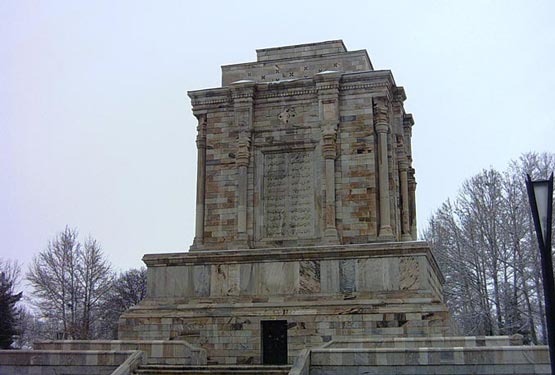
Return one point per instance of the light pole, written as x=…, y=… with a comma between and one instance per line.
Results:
x=540, y=194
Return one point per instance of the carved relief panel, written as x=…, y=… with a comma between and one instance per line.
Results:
x=287, y=204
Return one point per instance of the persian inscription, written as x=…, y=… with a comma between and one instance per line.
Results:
x=288, y=195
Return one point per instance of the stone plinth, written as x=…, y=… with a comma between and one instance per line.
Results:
x=218, y=299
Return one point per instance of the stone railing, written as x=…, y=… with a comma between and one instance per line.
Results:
x=167, y=352
x=302, y=363
x=46, y=362
x=130, y=365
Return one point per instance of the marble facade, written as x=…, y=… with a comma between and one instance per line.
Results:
x=305, y=213
x=306, y=146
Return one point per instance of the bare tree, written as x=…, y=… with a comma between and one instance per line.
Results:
x=70, y=282
x=484, y=242
x=96, y=280
x=128, y=289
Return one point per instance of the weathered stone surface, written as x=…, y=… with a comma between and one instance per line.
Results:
x=75, y=362
x=325, y=293
x=306, y=146
x=301, y=156
x=305, y=216
x=309, y=277
x=446, y=359
x=347, y=275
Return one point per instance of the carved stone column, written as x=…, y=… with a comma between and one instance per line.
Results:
x=201, y=180
x=381, y=121
x=243, y=100
x=412, y=204
x=329, y=152
x=328, y=100
x=405, y=215
x=242, y=162
x=408, y=122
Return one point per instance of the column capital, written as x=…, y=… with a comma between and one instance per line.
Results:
x=402, y=156
x=329, y=134
x=242, y=89
x=242, y=156
x=381, y=113
x=399, y=94
x=382, y=128
x=408, y=121
x=201, y=130
x=412, y=179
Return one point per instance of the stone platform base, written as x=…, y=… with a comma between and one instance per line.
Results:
x=69, y=362
x=213, y=370
x=219, y=300
x=444, y=356
x=154, y=351
x=231, y=334
x=413, y=355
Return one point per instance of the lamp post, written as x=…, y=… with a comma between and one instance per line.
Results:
x=540, y=194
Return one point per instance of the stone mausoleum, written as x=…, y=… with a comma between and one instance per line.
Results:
x=305, y=259
x=305, y=215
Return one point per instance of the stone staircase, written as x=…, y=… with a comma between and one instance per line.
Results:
x=212, y=369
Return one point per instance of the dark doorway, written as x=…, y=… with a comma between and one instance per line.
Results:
x=274, y=342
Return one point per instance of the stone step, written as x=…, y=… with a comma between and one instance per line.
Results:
x=212, y=369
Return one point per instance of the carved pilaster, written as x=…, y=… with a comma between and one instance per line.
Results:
x=201, y=174
x=408, y=122
x=381, y=123
x=243, y=100
x=403, y=177
x=243, y=150
x=328, y=100
x=412, y=203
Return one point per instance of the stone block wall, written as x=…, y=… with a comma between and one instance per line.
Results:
x=362, y=271
x=217, y=300
x=53, y=362
x=306, y=146
x=441, y=361
x=231, y=333
x=220, y=197
x=297, y=62
x=155, y=351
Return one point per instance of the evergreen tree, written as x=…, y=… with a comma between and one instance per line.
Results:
x=8, y=311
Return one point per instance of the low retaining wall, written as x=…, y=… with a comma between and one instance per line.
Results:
x=427, y=342
x=440, y=361
x=53, y=362
x=156, y=351
x=454, y=355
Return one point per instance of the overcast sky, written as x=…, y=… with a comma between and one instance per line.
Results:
x=96, y=130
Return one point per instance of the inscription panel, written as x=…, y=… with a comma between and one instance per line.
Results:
x=288, y=190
